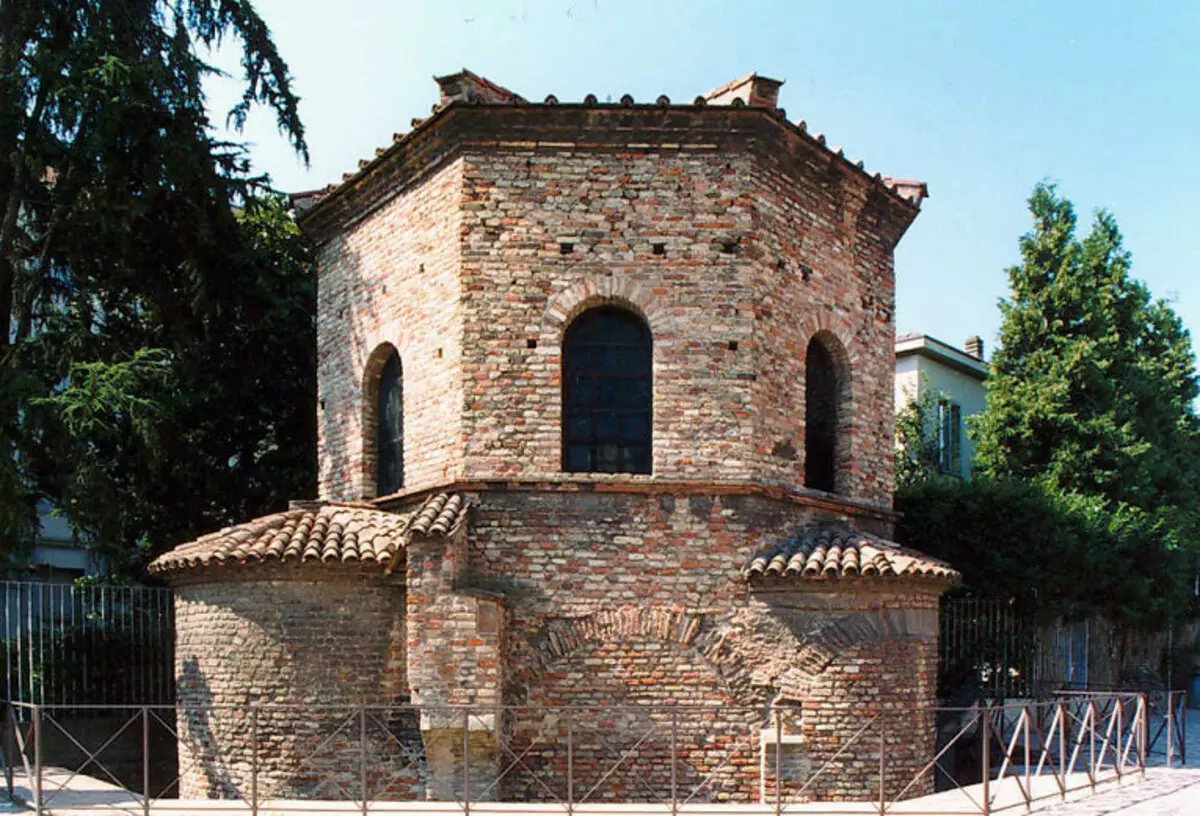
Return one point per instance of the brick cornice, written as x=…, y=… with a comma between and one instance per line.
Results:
x=636, y=128
x=650, y=486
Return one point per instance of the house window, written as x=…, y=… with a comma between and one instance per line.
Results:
x=821, y=395
x=389, y=430
x=949, y=437
x=607, y=393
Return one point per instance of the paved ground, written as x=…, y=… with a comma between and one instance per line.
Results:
x=1165, y=791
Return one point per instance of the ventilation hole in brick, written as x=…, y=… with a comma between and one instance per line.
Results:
x=659, y=249
x=439, y=354
x=566, y=249
x=531, y=343
x=420, y=269
x=729, y=247
x=733, y=345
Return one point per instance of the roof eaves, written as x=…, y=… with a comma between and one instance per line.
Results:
x=778, y=115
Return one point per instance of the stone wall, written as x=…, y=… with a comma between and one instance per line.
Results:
x=309, y=643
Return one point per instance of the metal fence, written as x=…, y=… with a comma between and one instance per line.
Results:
x=395, y=759
x=987, y=646
x=66, y=644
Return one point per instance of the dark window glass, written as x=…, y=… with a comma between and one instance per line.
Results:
x=607, y=393
x=389, y=433
x=820, y=418
x=949, y=438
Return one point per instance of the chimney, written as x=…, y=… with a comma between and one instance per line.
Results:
x=752, y=89
x=974, y=346
x=466, y=86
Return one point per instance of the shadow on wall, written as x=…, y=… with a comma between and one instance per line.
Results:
x=198, y=742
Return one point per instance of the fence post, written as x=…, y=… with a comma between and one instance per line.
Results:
x=674, y=763
x=778, y=762
x=1028, y=792
x=362, y=754
x=146, y=760
x=1183, y=732
x=882, y=786
x=466, y=723
x=986, y=759
x=37, y=759
x=1119, y=714
x=1062, y=748
x=1092, y=744
x=254, y=758
x=570, y=764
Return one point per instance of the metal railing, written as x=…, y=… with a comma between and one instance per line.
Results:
x=68, y=644
x=986, y=642
x=666, y=759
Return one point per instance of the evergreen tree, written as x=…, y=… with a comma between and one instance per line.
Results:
x=1092, y=394
x=1094, y=382
x=156, y=305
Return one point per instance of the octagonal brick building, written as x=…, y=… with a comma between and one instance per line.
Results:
x=605, y=416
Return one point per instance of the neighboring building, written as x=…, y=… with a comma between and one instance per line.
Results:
x=55, y=556
x=605, y=417
x=957, y=376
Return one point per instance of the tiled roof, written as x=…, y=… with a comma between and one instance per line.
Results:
x=910, y=190
x=320, y=533
x=840, y=552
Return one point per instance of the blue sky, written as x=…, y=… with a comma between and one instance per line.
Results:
x=979, y=99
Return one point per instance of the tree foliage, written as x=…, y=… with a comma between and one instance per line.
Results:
x=1086, y=457
x=1056, y=552
x=1094, y=382
x=917, y=454
x=156, y=304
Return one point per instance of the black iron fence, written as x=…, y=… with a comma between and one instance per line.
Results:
x=989, y=650
x=67, y=644
x=369, y=758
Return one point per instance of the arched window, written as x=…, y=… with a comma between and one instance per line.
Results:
x=389, y=428
x=607, y=393
x=821, y=397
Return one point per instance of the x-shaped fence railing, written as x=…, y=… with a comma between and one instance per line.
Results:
x=998, y=757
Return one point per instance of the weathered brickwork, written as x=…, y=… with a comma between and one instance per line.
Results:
x=737, y=246
x=605, y=617
x=637, y=599
x=304, y=636
x=392, y=280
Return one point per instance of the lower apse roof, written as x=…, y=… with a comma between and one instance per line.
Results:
x=841, y=553
x=320, y=533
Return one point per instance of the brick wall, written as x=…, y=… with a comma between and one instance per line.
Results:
x=392, y=279
x=635, y=599
x=309, y=637
x=738, y=245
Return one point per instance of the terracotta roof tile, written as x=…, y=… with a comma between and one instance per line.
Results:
x=322, y=533
x=912, y=191
x=839, y=552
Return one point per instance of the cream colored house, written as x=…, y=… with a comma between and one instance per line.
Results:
x=957, y=376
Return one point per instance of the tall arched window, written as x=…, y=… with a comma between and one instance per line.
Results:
x=389, y=428
x=821, y=397
x=607, y=393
